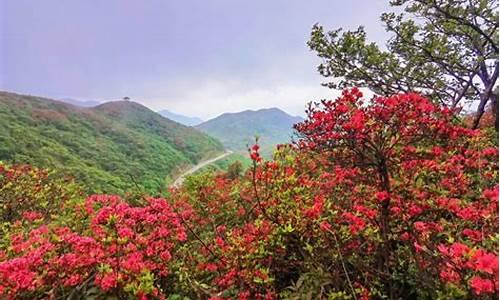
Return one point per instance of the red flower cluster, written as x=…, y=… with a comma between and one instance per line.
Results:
x=254, y=153
x=388, y=198
x=124, y=246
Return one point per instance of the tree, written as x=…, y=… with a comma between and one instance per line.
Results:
x=444, y=49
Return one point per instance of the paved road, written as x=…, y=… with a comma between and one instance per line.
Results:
x=200, y=165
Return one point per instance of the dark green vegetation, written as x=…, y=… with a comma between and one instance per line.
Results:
x=238, y=130
x=109, y=148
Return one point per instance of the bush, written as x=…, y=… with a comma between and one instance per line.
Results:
x=25, y=190
x=389, y=198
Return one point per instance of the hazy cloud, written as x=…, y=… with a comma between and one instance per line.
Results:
x=196, y=57
x=213, y=97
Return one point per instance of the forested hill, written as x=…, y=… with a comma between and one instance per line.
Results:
x=110, y=148
x=237, y=130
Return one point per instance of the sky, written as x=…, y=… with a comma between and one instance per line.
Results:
x=198, y=58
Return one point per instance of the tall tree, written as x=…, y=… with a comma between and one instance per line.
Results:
x=445, y=49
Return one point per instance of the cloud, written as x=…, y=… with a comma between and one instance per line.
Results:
x=214, y=97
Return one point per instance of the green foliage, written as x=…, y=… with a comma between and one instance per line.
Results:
x=238, y=130
x=447, y=50
x=110, y=148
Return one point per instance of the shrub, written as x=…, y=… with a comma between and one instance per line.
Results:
x=388, y=198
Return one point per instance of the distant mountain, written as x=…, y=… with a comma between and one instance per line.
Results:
x=109, y=148
x=81, y=103
x=237, y=130
x=185, y=120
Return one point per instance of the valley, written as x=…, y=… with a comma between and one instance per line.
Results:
x=113, y=146
x=109, y=148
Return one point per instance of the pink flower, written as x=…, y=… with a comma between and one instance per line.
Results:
x=32, y=215
x=457, y=250
x=382, y=196
x=491, y=194
x=220, y=242
x=437, y=151
x=356, y=223
x=485, y=262
x=244, y=295
x=211, y=267
x=468, y=213
x=255, y=156
x=107, y=282
x=221, y=229
x=133, y=262
x=73, y=280
x=414, y=210
x=449, y=276
x=165, y=255
x=325, y=226
x=181, y=235
x=473, y=234
x=405, y=236
x=315, y=211
x=443, y=249
x=481, y=285
x=125, y=232
x=420, y=226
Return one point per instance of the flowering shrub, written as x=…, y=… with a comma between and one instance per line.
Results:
x=388, y=198
x=122, y=250
x=416, y=186
x=32, y=192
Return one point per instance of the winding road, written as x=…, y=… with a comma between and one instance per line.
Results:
x=200, y=165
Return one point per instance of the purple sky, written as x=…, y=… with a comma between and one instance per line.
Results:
x=200, y=58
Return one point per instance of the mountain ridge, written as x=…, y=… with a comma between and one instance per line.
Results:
x=260, y=110
x=107, y=147
x=238, y=130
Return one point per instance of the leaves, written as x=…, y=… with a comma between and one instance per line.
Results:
x=446, y=50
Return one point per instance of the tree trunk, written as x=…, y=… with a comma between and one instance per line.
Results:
x=494, y=107
x=480, y=110
x=488, y=94
x=384, y=252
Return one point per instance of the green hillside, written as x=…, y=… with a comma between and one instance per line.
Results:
x=222, y=165
x=111, y=147
x=237, y=130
